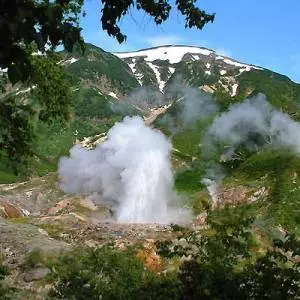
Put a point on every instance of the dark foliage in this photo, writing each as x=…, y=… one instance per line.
x=222, y=265
x=20, y=112
x=108, y=274
x=31, y=27
x=114, y=10
x=45, y=23
x=16, y=130
x=52, y=23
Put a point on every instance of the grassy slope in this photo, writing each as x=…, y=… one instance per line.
x=277, y=170
x=281, y=92
x=96, y=63
x=94, y=113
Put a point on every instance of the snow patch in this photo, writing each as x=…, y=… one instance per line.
x=234, y=89
x=237, y=64
x=219, y=58
x=139, y=78
x=208, y=65
x=161, y=83
x=208, y=72
x=234, y=63
x=223, y=85
x=171, y=70
x=223, y=72
x=132, y=66
x=174, y=53
x=247, y=69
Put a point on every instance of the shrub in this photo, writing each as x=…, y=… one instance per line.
x=107, y=274
x=220, y=266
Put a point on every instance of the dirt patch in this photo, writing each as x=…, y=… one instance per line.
x=240, y=194
x=8, y=211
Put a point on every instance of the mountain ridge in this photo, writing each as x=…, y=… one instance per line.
x=105, y=89
x=117, y=53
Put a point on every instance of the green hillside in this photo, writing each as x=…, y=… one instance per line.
x=100, y=69
x=242, y=240
x=101, y=83
x=93, y=114
x=275, y=171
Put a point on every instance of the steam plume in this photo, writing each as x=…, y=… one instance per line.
x=131, y=169
x=191, y=105
x=254, y=124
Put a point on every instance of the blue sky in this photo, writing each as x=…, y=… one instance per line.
x=261, y=32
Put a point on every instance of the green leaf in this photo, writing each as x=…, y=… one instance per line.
x=121, y=37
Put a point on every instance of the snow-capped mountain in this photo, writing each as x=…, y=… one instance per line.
x=158, y=65
x=117, y=75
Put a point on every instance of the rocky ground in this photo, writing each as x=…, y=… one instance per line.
x=37, y=216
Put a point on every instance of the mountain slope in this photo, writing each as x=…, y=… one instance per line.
x=157, y=69
x=240, y=178
x=194, y=62
x=203, y=68
x=100, y=69
x=103, y=80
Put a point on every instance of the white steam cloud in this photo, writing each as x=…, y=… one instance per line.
x=145, y=97
x=196, y=104
x=254, y=124
x=131, y=169
x=189, y=105
x=213, y=177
